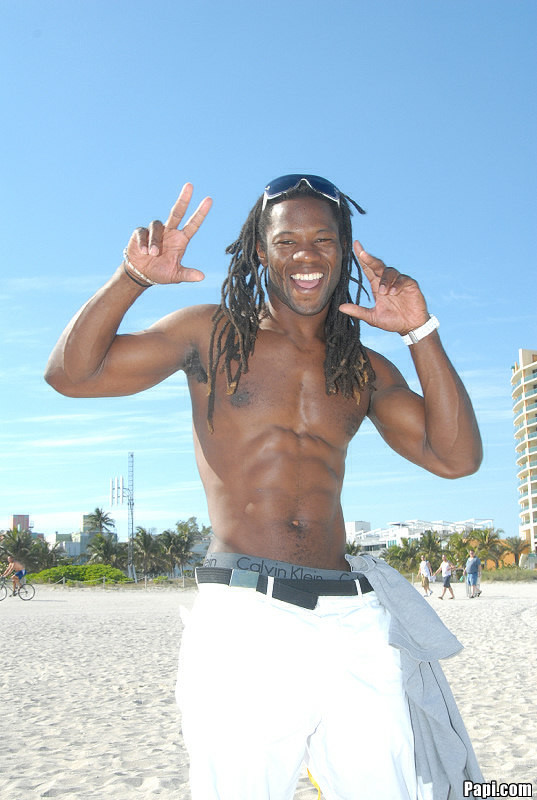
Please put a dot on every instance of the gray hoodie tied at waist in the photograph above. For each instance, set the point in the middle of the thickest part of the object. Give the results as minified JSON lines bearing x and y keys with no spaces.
{"x":443,"y":751}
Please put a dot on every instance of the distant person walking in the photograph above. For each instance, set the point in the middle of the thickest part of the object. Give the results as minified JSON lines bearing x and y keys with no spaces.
{"x":447,"y":568}
{"x":472,"y":570}
{"x":426,"y":573}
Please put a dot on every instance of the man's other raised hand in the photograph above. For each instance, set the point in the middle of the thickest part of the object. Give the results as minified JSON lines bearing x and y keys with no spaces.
{"x":157,"y":251}
{"x":399,"y":302}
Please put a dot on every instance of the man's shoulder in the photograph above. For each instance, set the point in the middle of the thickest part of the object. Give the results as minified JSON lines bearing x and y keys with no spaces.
{"x":386,"y":373}
{"x":198,"y":319}
{"x":204,"y":311}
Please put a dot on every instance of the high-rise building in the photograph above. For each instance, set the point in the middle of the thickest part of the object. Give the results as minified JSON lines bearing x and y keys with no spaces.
{"x":524,"y":393}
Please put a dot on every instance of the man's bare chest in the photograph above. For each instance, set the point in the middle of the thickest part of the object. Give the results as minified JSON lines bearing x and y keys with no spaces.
{"x":287,"y":388}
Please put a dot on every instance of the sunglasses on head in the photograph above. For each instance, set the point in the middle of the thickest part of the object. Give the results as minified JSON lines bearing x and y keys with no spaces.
{"x":286,"y":183}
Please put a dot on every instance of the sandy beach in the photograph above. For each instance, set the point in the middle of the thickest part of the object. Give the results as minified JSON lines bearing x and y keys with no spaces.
{"x":88,"y":675}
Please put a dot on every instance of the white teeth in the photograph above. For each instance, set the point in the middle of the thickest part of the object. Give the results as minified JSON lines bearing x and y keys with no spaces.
{"x":312,"y":276}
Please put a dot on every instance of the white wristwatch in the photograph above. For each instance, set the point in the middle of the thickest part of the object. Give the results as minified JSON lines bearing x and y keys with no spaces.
{"x":412,"y":337}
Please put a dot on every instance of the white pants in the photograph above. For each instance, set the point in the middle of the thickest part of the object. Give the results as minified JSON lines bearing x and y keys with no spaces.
{"x":264,"y":685}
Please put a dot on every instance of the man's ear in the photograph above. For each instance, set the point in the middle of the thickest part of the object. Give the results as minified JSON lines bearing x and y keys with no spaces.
{"x":261,"y":254}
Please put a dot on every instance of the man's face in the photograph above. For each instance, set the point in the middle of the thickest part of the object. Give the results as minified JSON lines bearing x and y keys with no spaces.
{"x":303,"y":254}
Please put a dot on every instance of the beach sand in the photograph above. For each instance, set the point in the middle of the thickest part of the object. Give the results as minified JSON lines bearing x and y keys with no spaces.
{"x":88,"y":708}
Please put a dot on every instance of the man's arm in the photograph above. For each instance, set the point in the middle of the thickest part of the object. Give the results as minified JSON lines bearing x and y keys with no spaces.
{"x":90,"y":358}
{"x":439,"y":430}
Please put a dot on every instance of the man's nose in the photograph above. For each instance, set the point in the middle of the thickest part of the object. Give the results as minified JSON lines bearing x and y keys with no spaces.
{"x":305,"y":254}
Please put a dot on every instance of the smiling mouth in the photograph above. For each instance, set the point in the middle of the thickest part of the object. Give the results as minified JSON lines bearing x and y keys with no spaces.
{"x":308,"y":280}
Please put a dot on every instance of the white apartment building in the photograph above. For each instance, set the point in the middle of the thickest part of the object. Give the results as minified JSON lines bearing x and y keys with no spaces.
{"x":376,"y":540}
{"x":524,"y":394}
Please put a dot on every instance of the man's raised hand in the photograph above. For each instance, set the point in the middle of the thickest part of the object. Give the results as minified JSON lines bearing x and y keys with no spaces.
{"x":157,"y":251}
{"x":399,"y":303}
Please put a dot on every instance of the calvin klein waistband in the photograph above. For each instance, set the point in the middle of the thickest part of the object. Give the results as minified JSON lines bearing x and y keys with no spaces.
{"x":272,"y":568}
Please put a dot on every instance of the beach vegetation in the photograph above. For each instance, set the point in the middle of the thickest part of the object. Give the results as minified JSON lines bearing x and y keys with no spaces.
{"x":100,"y":521}
{"x":147,"y":553}
{"x":104,"y":549}
{"x":510,"y":573}
{"x":489,"y":547}
{"x":404,"y":557}
{"x":89,"y":574}
{"x":36,"y":554}
{"x":487,"y":544}
{"x":187,"y":534}
{"x":353,"y":548}
{"x":516,"y":547}
{"x":431,"y":546}
{"x":17,"y":544}
{"x":457,"y":549}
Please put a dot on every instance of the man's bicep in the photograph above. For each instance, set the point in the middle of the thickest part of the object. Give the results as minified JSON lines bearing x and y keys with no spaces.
{"x":397,"y":412}
{"x":138,"y":361}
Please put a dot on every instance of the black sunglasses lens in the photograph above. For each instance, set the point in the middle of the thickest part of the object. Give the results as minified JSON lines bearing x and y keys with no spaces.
{"x":288,"y":182}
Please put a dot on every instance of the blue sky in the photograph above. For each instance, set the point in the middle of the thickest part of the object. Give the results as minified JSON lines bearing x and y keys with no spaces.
{"x":423,"y":112}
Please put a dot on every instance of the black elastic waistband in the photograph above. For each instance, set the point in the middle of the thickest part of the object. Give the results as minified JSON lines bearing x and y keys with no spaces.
{"x":304,"y":593}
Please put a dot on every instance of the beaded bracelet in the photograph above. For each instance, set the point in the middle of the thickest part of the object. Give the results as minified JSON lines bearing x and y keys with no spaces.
{"x":127,"y":263}
{"x":126,"y":271}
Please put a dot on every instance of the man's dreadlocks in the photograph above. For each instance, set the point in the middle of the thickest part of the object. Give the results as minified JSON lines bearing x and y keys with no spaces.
{"x":242,"y":306}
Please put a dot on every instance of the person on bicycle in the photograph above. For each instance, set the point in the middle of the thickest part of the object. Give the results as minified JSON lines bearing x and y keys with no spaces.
{"x":16,"y":569}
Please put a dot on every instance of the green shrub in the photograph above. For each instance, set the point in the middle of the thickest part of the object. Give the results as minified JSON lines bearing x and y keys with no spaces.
{"x":81,"y":573}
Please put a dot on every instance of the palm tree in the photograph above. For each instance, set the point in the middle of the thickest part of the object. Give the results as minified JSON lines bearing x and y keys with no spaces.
{"x":188,"y":533}
{"x":44,"y":556}
{"x":122,"y":556}
{"x":170,"y":545}
{"x":146,"y":550}
{"x":103,"y":550}
{"x":392,"y":555}
{"x":19,"y":545}
{"x":410,"y":553}
{"x":101,"y":521}
{"x":404,"y":557}
{"x":457,"y":549}
{"x":353,"y":548}
{"x":516,"y":546}
{"x":431,"y":546}
{"x":488,"y":544}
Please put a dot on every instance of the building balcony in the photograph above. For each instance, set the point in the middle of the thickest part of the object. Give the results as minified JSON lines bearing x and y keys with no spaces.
{"x":523,"y":453}
{"x":520,"y":413}
{"x":529,"y":468}
{"x":526,"y":441}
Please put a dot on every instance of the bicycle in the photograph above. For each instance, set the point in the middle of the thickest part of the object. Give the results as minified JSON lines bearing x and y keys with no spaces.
{"x":24,"y":590}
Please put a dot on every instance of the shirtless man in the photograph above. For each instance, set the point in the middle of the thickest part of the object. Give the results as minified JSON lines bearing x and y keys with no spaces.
{"x":265,"y":680}
{"x":17,"y":570}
